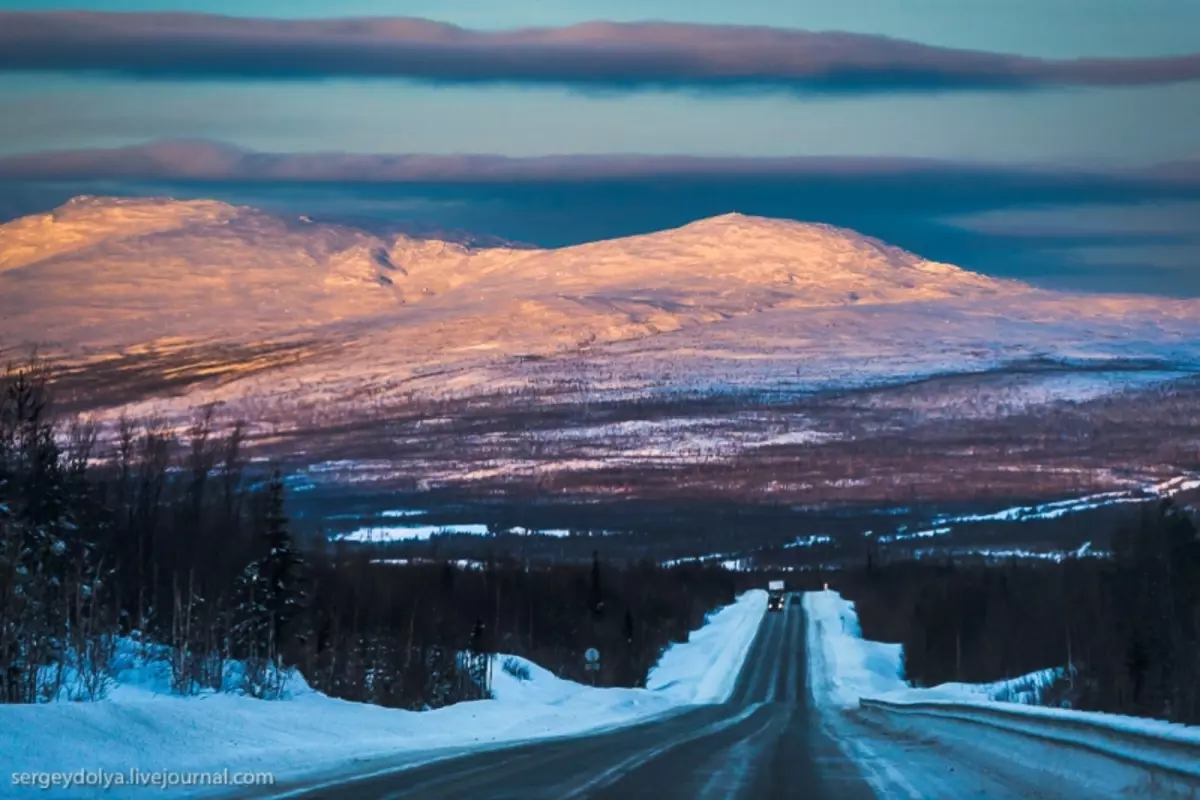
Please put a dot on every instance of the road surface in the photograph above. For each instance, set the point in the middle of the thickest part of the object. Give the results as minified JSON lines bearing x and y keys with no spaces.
{"x":766,"y":742}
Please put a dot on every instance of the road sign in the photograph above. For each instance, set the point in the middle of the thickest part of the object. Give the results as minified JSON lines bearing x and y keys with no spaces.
{"x":592,"y":655}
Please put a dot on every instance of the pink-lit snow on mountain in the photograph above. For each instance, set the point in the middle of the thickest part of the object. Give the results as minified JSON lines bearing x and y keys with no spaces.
{"x":732,"y":300}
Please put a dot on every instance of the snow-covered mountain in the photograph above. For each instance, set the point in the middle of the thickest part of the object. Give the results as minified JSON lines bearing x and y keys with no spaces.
{"x":146,"y":268}
{"x":731,"y":300}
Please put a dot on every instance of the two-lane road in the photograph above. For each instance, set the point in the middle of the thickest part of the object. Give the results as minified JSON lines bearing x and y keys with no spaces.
{"x":765,"y":742}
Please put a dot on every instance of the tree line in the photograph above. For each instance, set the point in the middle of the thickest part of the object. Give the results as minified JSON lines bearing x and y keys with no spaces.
{"x":1125,"y":630}
{"x":182,"y":544}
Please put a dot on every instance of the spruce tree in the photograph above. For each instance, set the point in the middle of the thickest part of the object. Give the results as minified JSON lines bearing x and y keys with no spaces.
{"x":271,"y":597}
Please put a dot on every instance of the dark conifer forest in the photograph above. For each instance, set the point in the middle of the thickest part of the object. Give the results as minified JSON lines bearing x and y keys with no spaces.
{"x":1125,"y":629}
{"x":184,"y":545}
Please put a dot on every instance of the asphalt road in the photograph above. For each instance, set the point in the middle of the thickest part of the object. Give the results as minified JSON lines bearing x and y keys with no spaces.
{"x":765,"y":743}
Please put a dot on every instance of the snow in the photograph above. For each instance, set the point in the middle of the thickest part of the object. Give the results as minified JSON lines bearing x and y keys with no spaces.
{"x":705,"y":668}
{"x":1061,"y":508}
{"x":141,"y":724}
{"x":557,"y":533}
{"x":808,"y":541}
{"x":781,"y":306}
{"x":461,"y":563}
{"x":907,"y":536}
{"x":404,"y":533}
{"x":845,"y":668}
{"x":944,"y":525}
{"x":380,"y":534}
{"x":723,"y":560}
{"x":1007,"y":553}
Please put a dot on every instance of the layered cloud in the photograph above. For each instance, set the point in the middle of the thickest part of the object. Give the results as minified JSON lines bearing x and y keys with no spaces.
{"x":210,"y":161}
{"x":597,"y":55}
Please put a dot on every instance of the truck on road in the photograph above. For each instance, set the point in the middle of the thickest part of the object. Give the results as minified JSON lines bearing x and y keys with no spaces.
{"x":775,"y":595}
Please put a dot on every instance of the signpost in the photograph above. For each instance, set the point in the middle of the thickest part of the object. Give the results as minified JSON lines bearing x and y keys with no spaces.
{"x":591,"y":660}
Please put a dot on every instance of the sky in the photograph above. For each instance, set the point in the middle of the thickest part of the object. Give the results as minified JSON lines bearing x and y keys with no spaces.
{"x":972,"y":108}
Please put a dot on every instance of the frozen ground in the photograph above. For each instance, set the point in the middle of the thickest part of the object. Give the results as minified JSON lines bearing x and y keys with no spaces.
{"x":930,"y":756}
{"x":142,"y":725}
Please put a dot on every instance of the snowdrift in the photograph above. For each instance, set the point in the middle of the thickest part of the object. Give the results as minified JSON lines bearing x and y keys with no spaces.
{"x":847,"y":671}
{"x":141,"y":725}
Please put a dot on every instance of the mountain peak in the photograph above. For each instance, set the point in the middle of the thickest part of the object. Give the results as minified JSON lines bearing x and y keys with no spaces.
{"x":761,"y":251}
{"x":87,"y":220}
{"x":735,"y":224}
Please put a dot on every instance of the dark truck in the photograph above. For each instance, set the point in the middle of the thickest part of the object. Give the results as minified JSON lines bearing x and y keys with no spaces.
{"x":775,"y":595}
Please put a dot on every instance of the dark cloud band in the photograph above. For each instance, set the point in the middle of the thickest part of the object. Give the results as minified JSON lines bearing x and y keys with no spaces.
{"x":597,"y":55}
{"x":208,"y":161}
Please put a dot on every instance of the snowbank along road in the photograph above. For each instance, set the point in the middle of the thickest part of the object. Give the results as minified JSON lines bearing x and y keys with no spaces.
{"x":765,"y":742}
{"x":782,"y":734}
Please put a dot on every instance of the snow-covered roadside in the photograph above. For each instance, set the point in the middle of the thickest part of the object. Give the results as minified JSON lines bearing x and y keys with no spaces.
{"x":858,"y":668}
{"x":140,"y":725}
{"x":926,"y":754}
{"x":705,"y":668}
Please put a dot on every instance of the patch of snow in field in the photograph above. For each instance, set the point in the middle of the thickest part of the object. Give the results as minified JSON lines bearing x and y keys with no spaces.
{"x":557,"y":533}
{"x":405,"y":533}
{"x":1003,"y":554}
{"x":944,"y":525}
{"x":461,"y":563}
{"x":797,"y":437}
{"x":499,"y":468}
{"x":684,"y":439}
{"x":1054,"y":510}
{"x":380,"y":534}
{"x":1060,"y":508}
{"x":142,"y":725}
{"x":904,"y":536}
{"x":808,"y":541}
{"x":1184,"y":483}
{"x":635,"y":428}
{"x":348,"y":465}
{"x":401,"y":512}
{"x":725,"y":560}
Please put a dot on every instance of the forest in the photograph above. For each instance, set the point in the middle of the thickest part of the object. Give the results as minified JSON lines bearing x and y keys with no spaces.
{"x":183,"y":544}
{"x":1125,"y":629}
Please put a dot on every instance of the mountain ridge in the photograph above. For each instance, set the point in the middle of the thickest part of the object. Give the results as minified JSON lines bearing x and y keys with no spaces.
{"x":732,"y":300}
{"x":295,"y":271}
